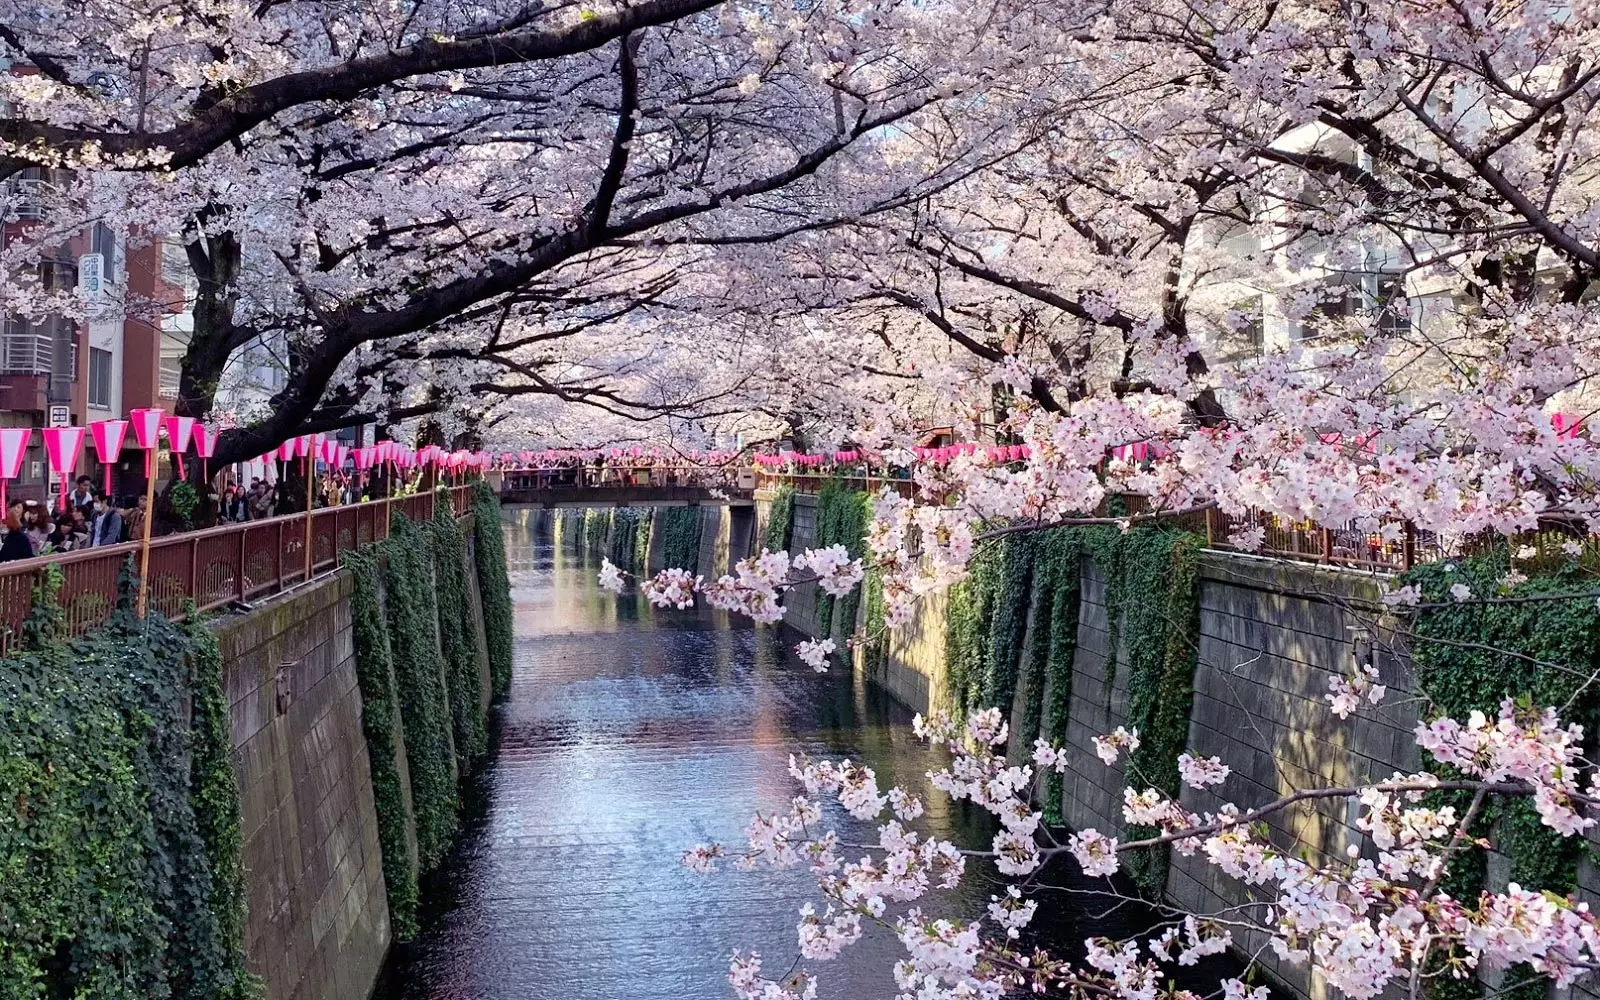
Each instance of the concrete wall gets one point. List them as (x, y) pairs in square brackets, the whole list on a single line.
[(1271, 635), (318, 925), (319, 917), (727, 535)]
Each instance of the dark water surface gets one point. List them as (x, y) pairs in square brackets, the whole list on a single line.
[(631, 735)]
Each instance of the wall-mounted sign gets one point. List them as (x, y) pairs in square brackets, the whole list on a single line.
[(60, 416)]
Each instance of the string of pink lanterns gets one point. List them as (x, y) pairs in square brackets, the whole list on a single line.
[(64, 449)]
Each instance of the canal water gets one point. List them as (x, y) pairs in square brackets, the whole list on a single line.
[(630, 735)]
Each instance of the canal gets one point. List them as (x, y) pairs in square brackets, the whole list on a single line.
[(632, 734)]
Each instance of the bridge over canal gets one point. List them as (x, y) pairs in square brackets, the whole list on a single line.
[(628, 486)]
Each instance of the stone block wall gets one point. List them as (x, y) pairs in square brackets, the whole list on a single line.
[(727, 535), (318, 922), (800, 604), (318, 914), (1271, 635)]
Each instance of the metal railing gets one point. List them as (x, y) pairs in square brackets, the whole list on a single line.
[(621, 476), (1394, 551), (812, 482), (212, 567)]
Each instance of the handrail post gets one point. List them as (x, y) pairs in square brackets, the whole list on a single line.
[(244, 530), (1408, 545)]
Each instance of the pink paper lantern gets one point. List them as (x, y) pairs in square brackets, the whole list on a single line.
[(108, 438), (302, 446), (286, 450), (328, 450), (64, 446), (205, 445), (13, 450), (147, 431), (179, 431)]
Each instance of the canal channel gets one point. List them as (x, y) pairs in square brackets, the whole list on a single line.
[(630, 735)]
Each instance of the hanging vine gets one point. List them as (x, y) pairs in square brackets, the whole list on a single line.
[(494, 585), (680, 537), (374, 676), (420, 689), (780, 519), (1063, 554), (457, 641), (118, 858), (842, 516), (1160, 633)]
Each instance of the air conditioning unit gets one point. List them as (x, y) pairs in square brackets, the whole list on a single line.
[(92, 275)]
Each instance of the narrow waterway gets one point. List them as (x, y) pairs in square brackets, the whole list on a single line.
[(630, 735)]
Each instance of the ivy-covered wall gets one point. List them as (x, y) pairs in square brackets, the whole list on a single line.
[(1012, 635), (1537, 653), (679, 528), (120, 867), (494, 585), (421, 681)]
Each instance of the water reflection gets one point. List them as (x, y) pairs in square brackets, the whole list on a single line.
[(630, 735)]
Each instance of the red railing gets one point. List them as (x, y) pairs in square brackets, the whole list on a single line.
[(212, 567), (1393, 551), (812, 482), (620, 476)]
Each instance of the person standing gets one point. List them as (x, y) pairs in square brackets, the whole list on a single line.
[(133, 518), (82, 498), (106, 529)]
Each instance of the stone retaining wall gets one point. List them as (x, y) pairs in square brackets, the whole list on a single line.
[(318, 922), (319, 916)]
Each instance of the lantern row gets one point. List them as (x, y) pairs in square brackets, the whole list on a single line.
[(64, 448)]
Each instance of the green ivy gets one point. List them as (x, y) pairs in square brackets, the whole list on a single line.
[(1161, 635), (596, 530), (119, 874), (1063, 554), (1008, 622), (214, 791), (419, 684), (842, 516), (453, 605), (680, 537), (966, 640), (183, 500), (374, 675), (780, 519), (494, 585), (641, 542), (1472, 656), (1153, 612), (627, 524)]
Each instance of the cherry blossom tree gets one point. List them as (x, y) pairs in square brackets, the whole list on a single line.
[(1097, 272)]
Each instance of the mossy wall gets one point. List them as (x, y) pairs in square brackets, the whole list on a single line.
[(120, 871), (422, 673)]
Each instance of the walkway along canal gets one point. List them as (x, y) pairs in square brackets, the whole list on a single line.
[(630, 735)]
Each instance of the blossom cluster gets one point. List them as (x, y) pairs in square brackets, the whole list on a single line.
[(1363, 922)]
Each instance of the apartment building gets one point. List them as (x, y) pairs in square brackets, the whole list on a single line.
[(124, 353)]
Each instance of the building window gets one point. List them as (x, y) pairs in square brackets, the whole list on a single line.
[(27, 348), (99, 378), (1248, 321), (1391, 304), (103, 242)]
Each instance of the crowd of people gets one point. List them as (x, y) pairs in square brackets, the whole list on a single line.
[(93, 518)]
